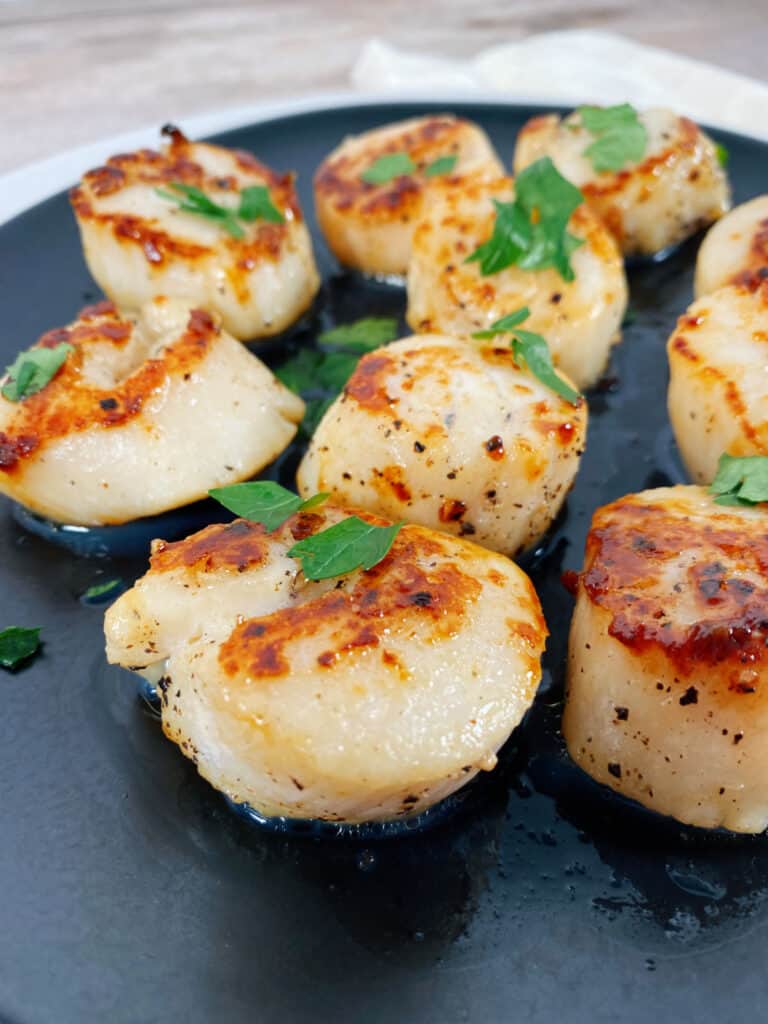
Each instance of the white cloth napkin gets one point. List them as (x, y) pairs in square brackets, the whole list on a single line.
[(573, 67)]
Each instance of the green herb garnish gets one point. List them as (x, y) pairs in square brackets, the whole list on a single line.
[(17, 643), (33, 369), (363, 335), (394, 165), (102, 590), (387, 168), (263, 501), (531, 231), (443, 165), (741, 480), (723, 156), (620, 136), (340, 549), (254, 204), (344, 547), (533, 350), (318, 375)]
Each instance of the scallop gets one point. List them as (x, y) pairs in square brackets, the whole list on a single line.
[(139, 243), (677, 188), (363, 698), (456, 437), (370, 226), (735, 250), (580, 319), (147, 413), (668, 657), (718, 390)]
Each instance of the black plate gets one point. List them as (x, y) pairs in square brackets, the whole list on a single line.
[(131, 893)]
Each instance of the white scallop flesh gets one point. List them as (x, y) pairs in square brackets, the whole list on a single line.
[(677, 188), (580, 319), (139, 244), (667, 694), (148, 412), (456, 437), (735, 250), (363, 698), (370, 226), (718, 387)]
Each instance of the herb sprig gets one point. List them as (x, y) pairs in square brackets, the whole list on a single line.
[(318, 375), (390, 166), (17, 644), (620, 136), (347, 545), (33, 369), (263, 501), (533, 350), (532, 231), (741, 480), (254, 204)]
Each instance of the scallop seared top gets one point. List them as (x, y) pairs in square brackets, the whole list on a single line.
[(139, 242), (684, 577), (368, 218), (676, 188), (667, 696), (361, 697), (735, 250), (146, 413), (580, 318)]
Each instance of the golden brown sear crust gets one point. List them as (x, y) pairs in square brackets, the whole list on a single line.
[(237, 546), (713, 612), (395, 594), (177, 164), (69, 404), (609, 183), (755, 272), (338, 179)]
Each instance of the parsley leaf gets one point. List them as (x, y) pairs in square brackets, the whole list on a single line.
[(33, 369), (532, 349), (531, 231), (345, 546), (363, 335), (319, 375), (263, 501), (341, 548), (255, 204), (620, 136), (741, 481), (443, 165), (17, 644), (723, 156), (387, 168), (102, 590)]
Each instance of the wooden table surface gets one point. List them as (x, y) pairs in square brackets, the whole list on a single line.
[(72, 71)]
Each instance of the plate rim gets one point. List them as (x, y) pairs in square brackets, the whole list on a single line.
[(33, 183)]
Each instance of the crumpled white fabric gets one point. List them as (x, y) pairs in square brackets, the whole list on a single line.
[(574, 67)]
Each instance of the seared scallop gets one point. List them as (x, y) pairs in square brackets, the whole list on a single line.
[(361, 698), (718, 391), (369, 225), (147, 413), (580, 318), (676, 188), (452, 435), (735, 250), (258, 274), (667, 697)]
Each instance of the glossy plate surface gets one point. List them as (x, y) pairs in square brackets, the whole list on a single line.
[(132, 893)]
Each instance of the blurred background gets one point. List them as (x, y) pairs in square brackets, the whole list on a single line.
[(75, 71)]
